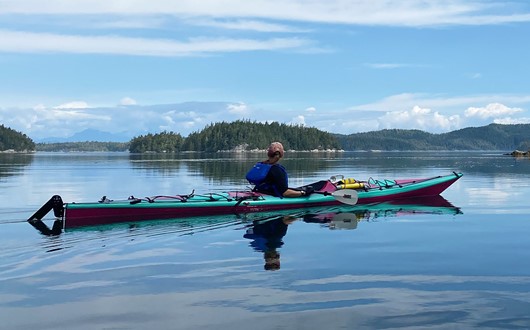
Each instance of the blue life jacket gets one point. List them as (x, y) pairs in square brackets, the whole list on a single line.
[(258, 174)]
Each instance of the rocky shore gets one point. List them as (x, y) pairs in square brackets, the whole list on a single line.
[(518, 153)]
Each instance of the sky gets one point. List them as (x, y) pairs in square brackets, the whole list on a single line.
[(343, 66)]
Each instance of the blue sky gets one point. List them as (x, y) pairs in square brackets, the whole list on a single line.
[(139, 66)]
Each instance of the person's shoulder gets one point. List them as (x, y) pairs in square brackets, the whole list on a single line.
[(278, 168)]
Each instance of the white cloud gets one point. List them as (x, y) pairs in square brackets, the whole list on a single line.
[(127, 101), (32, 42), (387, 65), (389, 13), (63, 121), (431, 113), (174, 120), (419, 118), (298, 120), (239, 109), (73, 105), (246, 25), (491, 110), (436, 101), (269, 16), (39, 107), (511, 121), (168, 121), (129, 23)]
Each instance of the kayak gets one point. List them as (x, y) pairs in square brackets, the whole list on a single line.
[(333, 217), (326, 193)]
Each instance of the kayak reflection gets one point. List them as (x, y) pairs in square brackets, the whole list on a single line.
[(267, 234), (348, 219)]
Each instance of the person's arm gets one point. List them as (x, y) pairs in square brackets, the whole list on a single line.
[(293, 193)]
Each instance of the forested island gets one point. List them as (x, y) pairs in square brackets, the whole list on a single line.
[(238, 135), (247, 136), (11, 140), (91, 146)]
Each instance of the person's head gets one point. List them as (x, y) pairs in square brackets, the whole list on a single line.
[(275, 150), (272, 260)]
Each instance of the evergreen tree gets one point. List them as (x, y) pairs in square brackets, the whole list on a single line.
[(14, 140), (161, 142)]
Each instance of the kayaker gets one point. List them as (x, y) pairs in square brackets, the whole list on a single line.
[(269, 177)]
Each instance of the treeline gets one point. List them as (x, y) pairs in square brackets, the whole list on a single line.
[(14, 140), (83, 146), (491, 137), (247, 135), (387, 139), (243, 135), (161, 142)]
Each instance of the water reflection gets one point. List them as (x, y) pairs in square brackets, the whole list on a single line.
[(267, 237), (233, 166), (348, 218), (14, 163), (268, 234), (220, 166)]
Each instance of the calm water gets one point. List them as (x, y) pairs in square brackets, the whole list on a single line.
[(461, 265)]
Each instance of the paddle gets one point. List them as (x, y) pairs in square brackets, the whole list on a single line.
[(346, 196), (344, 221)]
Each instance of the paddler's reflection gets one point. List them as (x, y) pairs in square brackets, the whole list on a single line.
[(267, 237)]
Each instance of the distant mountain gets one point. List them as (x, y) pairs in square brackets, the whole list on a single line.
[(490, 137), (90, 135)]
